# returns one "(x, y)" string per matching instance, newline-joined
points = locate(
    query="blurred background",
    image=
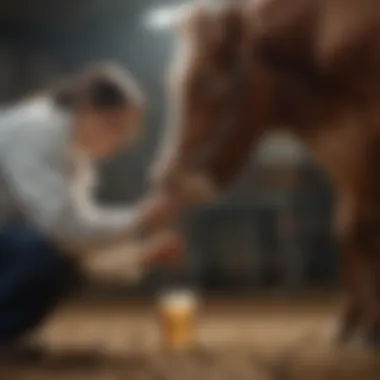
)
(270, 231)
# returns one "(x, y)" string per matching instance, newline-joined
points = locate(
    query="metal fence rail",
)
(263, 245)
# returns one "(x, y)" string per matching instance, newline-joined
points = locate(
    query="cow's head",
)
(218, 99)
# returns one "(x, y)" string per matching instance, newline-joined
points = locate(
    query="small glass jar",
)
(178, 319)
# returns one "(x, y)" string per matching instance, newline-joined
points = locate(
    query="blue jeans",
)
(34, 277)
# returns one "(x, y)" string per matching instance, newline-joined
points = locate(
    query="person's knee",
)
(39, 259)
(33, 251)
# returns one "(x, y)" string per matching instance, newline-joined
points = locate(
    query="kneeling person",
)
(47, 148)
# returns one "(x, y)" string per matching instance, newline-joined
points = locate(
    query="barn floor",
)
(263, 340)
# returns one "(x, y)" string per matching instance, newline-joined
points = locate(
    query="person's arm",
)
(40, 183)
(130, 259)
(83, 184)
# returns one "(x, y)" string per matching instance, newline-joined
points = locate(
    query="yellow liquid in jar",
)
(178, 329)
(178, 313)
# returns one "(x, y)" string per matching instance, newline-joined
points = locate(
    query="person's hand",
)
(190, 189)
(164, 249)
(161, 209)
(197, 190)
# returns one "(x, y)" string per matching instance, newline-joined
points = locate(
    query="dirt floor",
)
(263, 340)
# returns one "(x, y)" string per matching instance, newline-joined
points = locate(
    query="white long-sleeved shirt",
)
(50, 188)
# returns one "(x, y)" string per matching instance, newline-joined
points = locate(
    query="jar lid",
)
(178, 299)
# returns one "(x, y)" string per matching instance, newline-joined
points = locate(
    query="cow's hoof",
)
(370, 338)
(348, 326)
(344, 334)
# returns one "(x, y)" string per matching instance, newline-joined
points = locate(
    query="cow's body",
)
(336, 113)
(312, 67)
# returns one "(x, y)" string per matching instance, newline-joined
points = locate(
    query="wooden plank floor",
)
(116, 324)
(263, 340)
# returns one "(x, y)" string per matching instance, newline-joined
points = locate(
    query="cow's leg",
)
(363, 242)
(371, 232)
(371, 334)
(354, 271)
(364, 236)
(350, 320)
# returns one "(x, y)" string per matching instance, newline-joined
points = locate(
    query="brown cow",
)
(310, 66)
